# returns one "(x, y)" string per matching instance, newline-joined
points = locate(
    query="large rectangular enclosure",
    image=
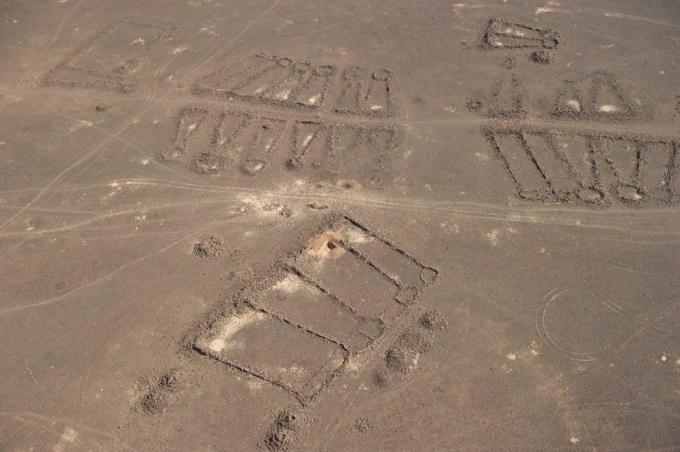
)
(337, 297)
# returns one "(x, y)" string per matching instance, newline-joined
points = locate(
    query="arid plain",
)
(339, 225)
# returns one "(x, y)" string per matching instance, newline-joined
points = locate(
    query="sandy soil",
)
(339, 225)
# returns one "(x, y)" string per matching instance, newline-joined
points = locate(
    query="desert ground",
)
(339, 225)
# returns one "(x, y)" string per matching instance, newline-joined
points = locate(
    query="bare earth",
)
(339, 225)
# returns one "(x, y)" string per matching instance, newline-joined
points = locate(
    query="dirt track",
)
(298, 225)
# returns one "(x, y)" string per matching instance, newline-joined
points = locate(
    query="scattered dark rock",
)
(508, 63)
(171, 381)
(433, 320)
(277, 439)
(399, 359)
(542, 57)
(160, 394)
(349, 184)
(293, 163)
(208, 163)
(212, 246)
(287, 419)
(281, 209)
(381, 377)
(474, 105)
(418, 341)
(362, 425)
(153, 402)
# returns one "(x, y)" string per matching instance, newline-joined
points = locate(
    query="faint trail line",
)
(102, 217)
(47, 428)
(110, 274)
(63, 173)
(617, 15)
(57, 33)
(15, 247)
(24, 415)
(542, 328)
(633, 387)
(629, 42)
(663, 131)
(283, 193)
(48, 210)
(28, 369)
(125, 126)
(573, 217)
(41, 56)
(135, 148)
